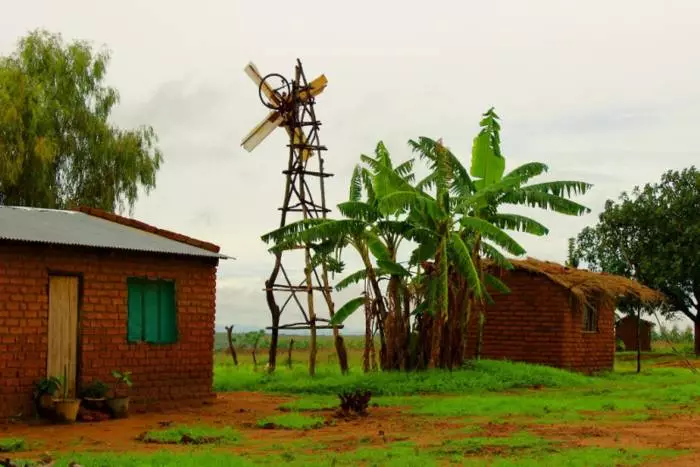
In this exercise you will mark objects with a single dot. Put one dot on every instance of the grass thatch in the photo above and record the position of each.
(589, 288)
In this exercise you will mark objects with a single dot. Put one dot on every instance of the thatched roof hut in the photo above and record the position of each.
(555, 315)
(588, 287)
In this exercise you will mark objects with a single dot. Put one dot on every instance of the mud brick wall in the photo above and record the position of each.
(590, 352)
(535, 324)
(163, 374)
(626, 330)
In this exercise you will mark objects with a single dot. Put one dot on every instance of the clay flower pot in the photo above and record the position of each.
(46, 401)
(119, 406)
(94, 403)
(66, 409)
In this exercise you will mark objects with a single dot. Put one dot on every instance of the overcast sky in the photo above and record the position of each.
(602, 91)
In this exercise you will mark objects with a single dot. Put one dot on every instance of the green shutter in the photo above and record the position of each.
(134, 312)
(151, 310)
(168, 316)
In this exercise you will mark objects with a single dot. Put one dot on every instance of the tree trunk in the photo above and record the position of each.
(407, 323)
(368, 336)
(697, 333)
(274, 340)
(480, 332)
(379, 303)
(232, 349)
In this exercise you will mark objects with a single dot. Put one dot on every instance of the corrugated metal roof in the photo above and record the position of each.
(80, 229)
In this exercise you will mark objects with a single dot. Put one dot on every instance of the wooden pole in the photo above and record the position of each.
(229, 333)
(289, 352)
(639, 344)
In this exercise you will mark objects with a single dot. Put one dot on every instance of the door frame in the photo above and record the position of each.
(78, 331)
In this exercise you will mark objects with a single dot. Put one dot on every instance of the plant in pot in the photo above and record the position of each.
(119, 404)
(44, 392)
(65, 407)
(94, 395)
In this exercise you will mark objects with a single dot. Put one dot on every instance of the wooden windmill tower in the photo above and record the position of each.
(292, 107)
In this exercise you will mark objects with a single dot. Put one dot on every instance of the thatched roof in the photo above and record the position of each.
(589, 288)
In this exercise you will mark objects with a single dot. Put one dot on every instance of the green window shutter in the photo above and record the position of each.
(134, 311)
(151, 308)
(168, 315)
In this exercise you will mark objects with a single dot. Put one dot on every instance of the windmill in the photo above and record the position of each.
(291, 107)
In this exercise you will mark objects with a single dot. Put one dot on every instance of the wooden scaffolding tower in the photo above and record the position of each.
(292, 107)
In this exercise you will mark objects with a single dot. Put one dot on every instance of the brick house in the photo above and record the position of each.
(88, 292)
(555, 315)
(626, 330)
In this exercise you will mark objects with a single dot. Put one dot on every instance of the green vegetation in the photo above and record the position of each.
(652, 235)
(192, 435)
(12, 444)
(291, 421)
(59, 147)
(483, 376)
(536, 453)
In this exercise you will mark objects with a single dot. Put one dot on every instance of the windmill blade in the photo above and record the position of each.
(316, 86)
(262, 130)
(252, 71)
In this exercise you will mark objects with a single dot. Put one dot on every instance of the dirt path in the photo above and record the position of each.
(242, 410)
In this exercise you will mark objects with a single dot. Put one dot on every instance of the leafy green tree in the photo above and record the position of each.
(652, 235)
(57, 147)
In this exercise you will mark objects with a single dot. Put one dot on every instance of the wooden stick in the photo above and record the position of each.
(289, 352)
(229, 332)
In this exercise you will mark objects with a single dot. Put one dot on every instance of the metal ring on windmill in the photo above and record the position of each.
(280, 88)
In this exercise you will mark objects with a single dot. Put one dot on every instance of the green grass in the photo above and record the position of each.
(12, 444)
(392, 455)
(483, 376)
(508, 444)
(291, 421)
(192, 435)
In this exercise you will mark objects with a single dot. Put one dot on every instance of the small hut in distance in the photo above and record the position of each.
(626, 331)
(555, 315)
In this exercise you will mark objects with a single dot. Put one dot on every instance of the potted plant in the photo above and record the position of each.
(44, 392)
(94, 395)
(119, 405)
(66, 408)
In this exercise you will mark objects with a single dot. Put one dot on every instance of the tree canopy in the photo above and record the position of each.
(57, 147)
(652, 235)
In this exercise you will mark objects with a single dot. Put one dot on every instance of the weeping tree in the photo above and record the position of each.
(58, 147)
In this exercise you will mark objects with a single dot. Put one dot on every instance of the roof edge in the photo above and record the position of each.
(99, 213)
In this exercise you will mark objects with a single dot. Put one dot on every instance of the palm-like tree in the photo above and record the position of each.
(481, 198)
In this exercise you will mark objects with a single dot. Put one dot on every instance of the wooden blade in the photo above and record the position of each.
(261, 131)
(317, 87)
(252, 71)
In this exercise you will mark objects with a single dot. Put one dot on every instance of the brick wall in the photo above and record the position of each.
(535, 324)
(627, 331)
(162, 374)
(590, 352)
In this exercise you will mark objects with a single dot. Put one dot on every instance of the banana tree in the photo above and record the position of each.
(391, 229)
(437, 229)
(483, 196)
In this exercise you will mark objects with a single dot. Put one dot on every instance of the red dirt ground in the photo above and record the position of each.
(242, 410)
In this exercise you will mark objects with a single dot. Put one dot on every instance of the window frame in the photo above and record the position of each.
(590, 323)
(159, 283)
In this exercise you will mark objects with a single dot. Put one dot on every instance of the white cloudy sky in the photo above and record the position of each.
(603, 91)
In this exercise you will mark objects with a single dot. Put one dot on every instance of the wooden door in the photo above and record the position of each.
(63, 329)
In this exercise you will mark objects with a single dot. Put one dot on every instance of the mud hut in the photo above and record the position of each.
(555, 315)
(626, 331)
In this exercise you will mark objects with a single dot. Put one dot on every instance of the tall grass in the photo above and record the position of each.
(481, 376)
